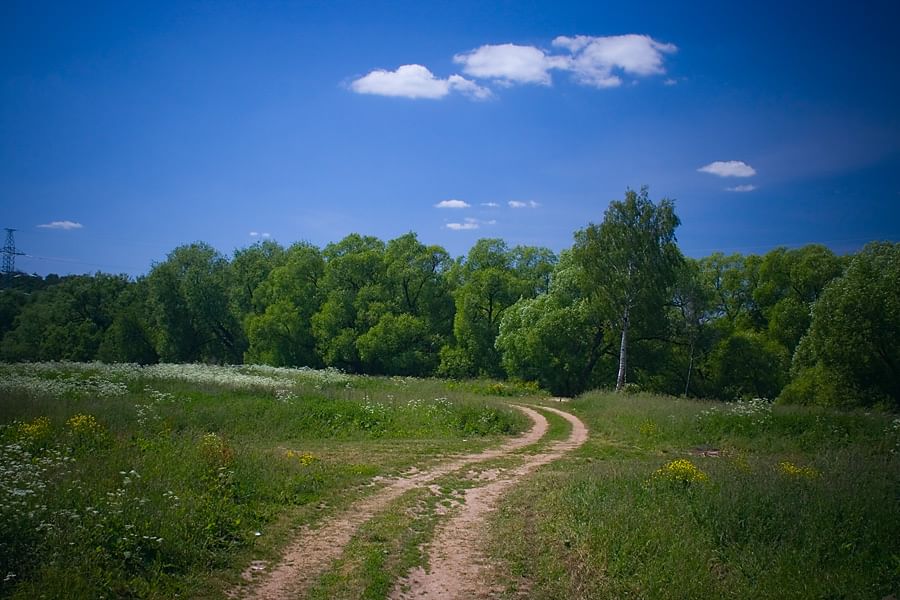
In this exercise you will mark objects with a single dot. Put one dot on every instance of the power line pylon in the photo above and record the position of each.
(9, 254)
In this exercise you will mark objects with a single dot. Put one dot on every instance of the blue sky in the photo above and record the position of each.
(127, 129)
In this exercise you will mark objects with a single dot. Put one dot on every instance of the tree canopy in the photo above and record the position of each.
(622, 306)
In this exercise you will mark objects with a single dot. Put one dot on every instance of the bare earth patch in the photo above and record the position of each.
(458, 567)
(314, 549)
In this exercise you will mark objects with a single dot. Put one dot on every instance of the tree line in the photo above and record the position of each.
(621, 308)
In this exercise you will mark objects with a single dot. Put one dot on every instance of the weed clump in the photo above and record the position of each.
(680, 471)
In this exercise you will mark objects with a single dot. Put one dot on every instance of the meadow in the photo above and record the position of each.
(168, 480)
(160, 481)
(678, 498)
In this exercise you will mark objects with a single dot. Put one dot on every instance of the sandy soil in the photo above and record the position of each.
(315, 548)
(458, 567)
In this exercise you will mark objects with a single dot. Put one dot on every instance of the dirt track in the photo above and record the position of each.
(456, 566)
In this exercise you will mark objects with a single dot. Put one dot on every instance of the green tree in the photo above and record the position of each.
(191, 314)
(399, 345)
(129, 337)
(490, 280)
(730, 281)
(66, 321)
(691, 314)
(247, 270)
(355, 298)
(631, 258)
(558, 338)
(854, 337)
(281, 333)
(417, 279)
(746, 364)
(789, 283)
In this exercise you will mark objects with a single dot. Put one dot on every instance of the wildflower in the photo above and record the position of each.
(304, 458)
(648, 428)
(35, 431)
(791, 470)
(679, 470)
(86, 425)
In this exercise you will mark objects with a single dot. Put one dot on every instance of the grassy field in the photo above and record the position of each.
(164, 481)
(684, 499)
(122, 481)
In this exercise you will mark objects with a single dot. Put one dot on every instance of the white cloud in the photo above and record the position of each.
(520, 204)
(462, 226)
(267, 235)
(509, 63)
(452, 204)
(254, 233)
(490, 204)
(670, 81)
(729, 168)
(65, 225)
(415, 81)
(594, 60)
(741, 188)
(258, 234)
(468, 88)
(469, 223)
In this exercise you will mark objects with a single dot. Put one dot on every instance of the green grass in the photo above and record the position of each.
(184, 474)
(600, 524)
(174, 478)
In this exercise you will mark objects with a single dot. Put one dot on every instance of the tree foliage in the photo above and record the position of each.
(622, 305)
(854, 337)
(631, 260)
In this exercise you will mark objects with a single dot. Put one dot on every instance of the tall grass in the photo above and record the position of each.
(123, 481)
(777, 502)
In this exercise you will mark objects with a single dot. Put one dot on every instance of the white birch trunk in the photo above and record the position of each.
(623, 354)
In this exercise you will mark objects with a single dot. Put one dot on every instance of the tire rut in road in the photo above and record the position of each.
(457, 565)
(314, 549)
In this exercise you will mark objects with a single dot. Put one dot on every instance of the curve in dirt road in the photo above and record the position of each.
(315, 548)
(457, 565)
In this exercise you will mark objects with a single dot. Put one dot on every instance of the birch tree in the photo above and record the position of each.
(631, 261)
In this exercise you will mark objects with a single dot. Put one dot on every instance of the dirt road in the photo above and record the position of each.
(457, 566)
(313, 550)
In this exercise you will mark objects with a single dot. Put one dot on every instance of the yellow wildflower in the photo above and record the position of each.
(680, 470)
(36, 430)
(648, 428)
(791, 470)
(84, 425)
(304, 458)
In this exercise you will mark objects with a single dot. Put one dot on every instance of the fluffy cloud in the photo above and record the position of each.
(595, 60)
(490, 204)
(741, 188)
(452, 204)
(415, 81)
(519, 204)
(258, 234)
(509, 63)
(65, 225)
(729, 168)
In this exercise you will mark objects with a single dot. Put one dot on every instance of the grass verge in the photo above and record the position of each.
(681, 499)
